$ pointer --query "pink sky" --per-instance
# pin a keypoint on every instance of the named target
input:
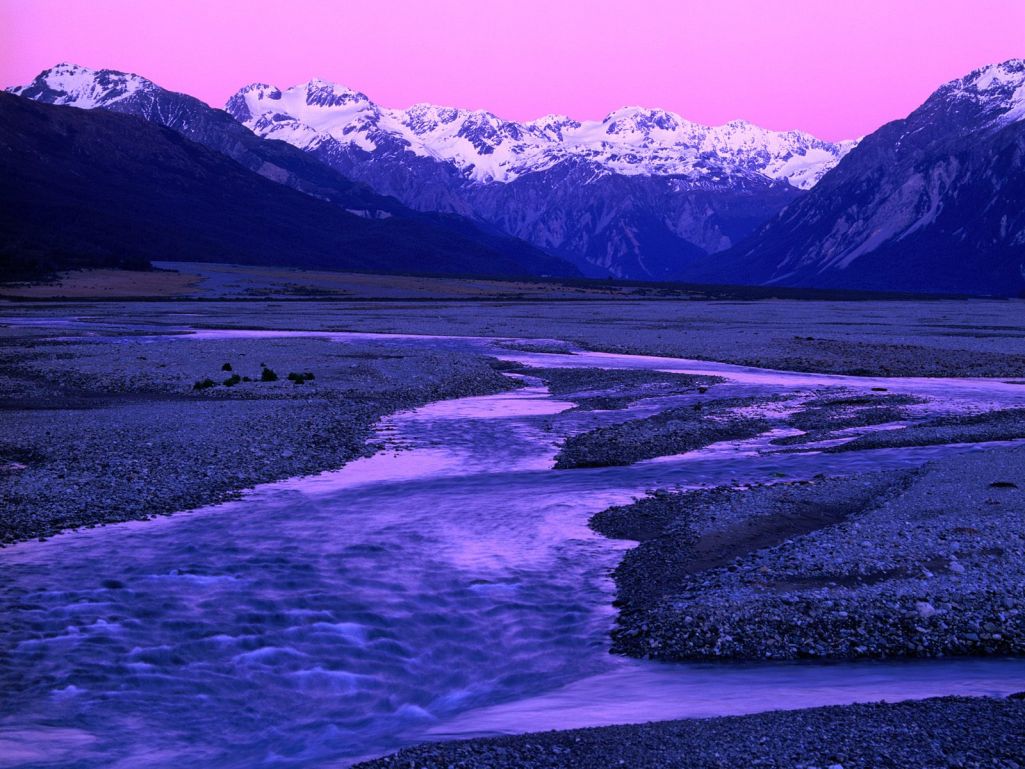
(832, 67)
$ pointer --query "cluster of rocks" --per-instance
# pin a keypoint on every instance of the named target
(921, 565)
(941, 733)
(113, 431)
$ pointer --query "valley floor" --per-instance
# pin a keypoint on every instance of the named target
(110, 413)
(962, 337)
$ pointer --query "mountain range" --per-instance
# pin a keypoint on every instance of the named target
(932, 202)
(99, 188)
(635, 195)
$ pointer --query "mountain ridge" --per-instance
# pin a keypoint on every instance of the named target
(931, 202)
(489, 149)
(652, 196)
(72, 85)
(650, 192)
(94, 187)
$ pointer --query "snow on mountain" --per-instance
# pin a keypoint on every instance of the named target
(81, 87)
(484, 147)
(997, 91)
(637, 194)
(75, 86)
(631, 141)
(304, 116)
(933, 202)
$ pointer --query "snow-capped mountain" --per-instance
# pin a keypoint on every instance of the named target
(98, 188)
(631, 141)
(934, 202)
(638, 194)
(75, 86)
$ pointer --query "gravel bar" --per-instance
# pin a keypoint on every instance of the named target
(673, 431)
(925, 564)
(940, 733)
(100, 432)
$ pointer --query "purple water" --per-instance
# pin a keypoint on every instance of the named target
(448, 586)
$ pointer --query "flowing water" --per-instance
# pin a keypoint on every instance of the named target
(446, 587)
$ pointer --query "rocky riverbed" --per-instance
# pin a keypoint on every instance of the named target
(922, 564)
(968, 733)
(886, 338)
(608, 389)
(104, 431)
(672, 431)
(106, 423)
(999, 425)
(826, 417)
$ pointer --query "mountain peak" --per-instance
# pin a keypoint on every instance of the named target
(996, 77)
(264, 90)
(643, 119)
(324, 93)
(424, 118)
(65, 68)
(552, 127)
(238, 106)
(996, 91)
(931, 202)
(78, 86)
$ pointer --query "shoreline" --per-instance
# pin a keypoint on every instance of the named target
(697, 541)
(103, 433)
(927, 734)
(864, 566)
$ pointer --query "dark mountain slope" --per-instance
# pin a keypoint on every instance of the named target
(91, 187)
(280, 162)
(934, 202)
